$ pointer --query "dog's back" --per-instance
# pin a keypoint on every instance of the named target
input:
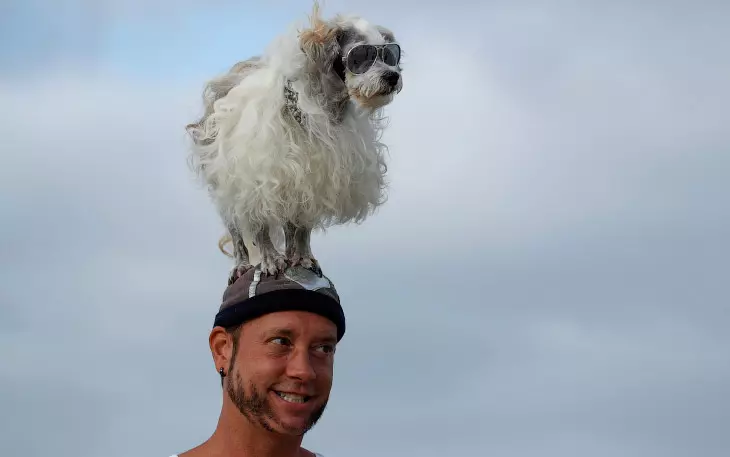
(218, 88)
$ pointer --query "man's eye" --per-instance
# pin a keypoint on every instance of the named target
(280, 340)
(326, 348)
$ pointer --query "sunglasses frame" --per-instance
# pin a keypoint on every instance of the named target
(379, 49)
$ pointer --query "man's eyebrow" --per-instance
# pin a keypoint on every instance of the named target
(291, 334)
(328, 339)
(282, 331)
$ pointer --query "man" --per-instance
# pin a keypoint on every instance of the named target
(273, 343)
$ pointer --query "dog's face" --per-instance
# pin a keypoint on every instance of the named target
(371, 60)
(363, 55)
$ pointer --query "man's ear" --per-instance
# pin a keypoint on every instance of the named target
(321, 41)
(221, 348)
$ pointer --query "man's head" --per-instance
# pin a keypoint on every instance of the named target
(279, 368)
(278, 360)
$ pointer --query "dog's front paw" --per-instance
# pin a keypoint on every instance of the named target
(312, 265)
(273, 264)
(307, 261)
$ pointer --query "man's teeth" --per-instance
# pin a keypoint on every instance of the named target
(293, 398)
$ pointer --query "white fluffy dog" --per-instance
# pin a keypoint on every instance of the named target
(289, 142)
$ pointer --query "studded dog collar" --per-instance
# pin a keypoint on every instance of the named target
(292, 103)
(336, 111)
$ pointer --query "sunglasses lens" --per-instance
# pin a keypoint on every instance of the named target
(361, 58)
(391, 54)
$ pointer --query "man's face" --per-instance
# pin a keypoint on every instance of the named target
(281, 375)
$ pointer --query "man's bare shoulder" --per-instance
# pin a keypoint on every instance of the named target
(314, 454)
(190, 453)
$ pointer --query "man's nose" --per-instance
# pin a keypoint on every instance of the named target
(300, 366)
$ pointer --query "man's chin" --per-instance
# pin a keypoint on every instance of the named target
(295, 418)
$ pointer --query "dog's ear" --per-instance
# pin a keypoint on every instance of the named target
(321, 41)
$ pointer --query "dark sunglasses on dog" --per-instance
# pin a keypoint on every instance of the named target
(360, 58)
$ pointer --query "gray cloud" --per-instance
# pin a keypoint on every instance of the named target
(547, 276)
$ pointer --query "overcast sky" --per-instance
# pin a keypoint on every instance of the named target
(548, 277)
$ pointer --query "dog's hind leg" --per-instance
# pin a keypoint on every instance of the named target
(289, 232)
(272, 262)
(240, 253)
(301, 252)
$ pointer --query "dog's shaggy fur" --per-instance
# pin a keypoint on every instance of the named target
(272, 169)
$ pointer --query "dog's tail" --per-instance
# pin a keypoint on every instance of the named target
(225, 239)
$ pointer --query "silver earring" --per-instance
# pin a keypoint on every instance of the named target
(221, 373)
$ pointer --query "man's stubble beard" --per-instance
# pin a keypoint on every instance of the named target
(257, 409)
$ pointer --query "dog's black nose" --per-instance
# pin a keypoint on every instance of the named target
(391, 77)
